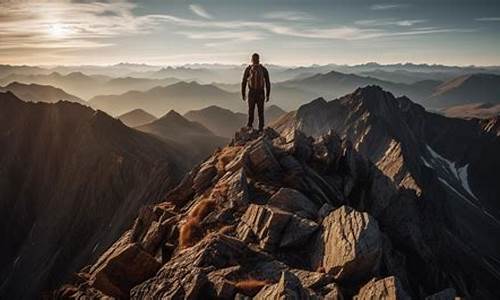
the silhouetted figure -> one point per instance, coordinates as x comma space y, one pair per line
257, 78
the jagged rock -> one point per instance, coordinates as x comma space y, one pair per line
184, 276
298, 144
388, 288
262, 159
203, 179
245, 135
446, 294
124, 269
297, 231
266, 223
222, 287
332, 292
325, 211
288, 287
312, 280
141, 225
236, 189
156, 233
293, 201
350, 244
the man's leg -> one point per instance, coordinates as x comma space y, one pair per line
260, 108
251, 109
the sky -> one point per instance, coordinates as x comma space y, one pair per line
450, 32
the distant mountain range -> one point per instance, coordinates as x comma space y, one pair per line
475, 88
335, 84
181, 97
39, 93
476, 110
435, 86
225, 122
72, 179
208, 73
197, 141
136, 117
87, 86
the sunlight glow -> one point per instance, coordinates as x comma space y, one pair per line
59, 30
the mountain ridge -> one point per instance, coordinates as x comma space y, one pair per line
69, 158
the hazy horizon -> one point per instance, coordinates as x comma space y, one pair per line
458, 33
201, 63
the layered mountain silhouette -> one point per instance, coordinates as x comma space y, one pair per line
72, 179
366, 196
466, 89
180, 97
475, 110
197, 141
287, 97
78, 83
136, 117
225, 122
39, 93
334, 84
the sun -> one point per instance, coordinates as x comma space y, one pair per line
59, 30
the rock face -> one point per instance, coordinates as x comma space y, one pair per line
447, 167
350, 244
293, 217
387, 288
123, 270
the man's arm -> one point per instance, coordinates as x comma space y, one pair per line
268, 84
244, 83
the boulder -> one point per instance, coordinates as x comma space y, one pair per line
295, 202
388, 288
185, 275
204, 177
264, 222
312, 280
222, 287
288, 287
122, 270
297, 231
350, 244
262, 159
236, 189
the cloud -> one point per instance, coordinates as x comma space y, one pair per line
488, 19
389, 22
288, 16
387, 6
223, 35
86, 24
64, 24
200, 11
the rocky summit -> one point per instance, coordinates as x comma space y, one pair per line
273, 217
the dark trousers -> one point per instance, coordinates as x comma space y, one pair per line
256, 97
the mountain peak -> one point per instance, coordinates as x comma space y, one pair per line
253, 205
137, 117
173, 115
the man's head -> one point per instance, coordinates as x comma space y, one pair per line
255, 58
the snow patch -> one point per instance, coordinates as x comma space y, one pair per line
449, 167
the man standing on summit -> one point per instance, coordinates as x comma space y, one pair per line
257, 77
